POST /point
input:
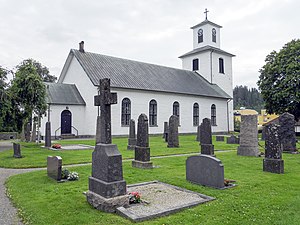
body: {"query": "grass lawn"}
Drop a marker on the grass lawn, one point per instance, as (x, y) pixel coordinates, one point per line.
(259, 198)
(35, 156)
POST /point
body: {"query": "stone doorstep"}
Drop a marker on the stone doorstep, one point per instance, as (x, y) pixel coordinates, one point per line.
(150, 211)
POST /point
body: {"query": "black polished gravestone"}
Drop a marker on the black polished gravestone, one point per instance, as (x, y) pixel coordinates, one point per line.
(273, 150)
(48, 135)
(142, 150)
(132, 138)
(220, 138)
(54, 165)
(17, 150)
(233, 140)
(207, 147)
(173, 141)
(205, 170)
(107, 188)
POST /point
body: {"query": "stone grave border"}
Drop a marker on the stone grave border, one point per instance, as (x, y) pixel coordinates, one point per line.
(136, 218)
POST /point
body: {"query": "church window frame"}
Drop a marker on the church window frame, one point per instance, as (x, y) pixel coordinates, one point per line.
(176, 110)
(213, 115)
(200, 35)
(126, 112)
(195, 64)
(214, 35)
(196, 114)
(221, 65)
(153, 113)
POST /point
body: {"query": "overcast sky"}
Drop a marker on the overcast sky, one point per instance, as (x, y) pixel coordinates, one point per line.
(153, 31)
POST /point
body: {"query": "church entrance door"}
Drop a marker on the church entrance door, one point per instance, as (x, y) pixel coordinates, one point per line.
(66, 122)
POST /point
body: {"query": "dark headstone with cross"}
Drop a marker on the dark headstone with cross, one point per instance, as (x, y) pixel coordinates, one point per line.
(107, 188)
(142, 150)
(105, 100)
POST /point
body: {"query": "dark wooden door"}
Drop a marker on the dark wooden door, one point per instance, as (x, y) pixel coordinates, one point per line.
(66, 122)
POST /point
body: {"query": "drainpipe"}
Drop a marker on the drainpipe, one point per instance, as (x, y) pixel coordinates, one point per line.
(228, 114)
(211, 66)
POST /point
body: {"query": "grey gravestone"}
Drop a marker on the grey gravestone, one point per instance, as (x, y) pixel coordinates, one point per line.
(220, 138)
(33, 135)
(273, 150)
(166, 130)
(17, 150)
(263, 133)
(198, 133)
(287, 132)
(98, 130)
(54, 164)
(232, 140)
(207, 147)
(27, 132)
(205, 170)
(132, 138)
(248, 136)
(142, 150)
(173, 141)
(107, 188)
(48, 135)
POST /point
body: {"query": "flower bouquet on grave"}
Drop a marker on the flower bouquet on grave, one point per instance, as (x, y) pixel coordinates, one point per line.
(228, 182)
(134, 197)
(56, 146)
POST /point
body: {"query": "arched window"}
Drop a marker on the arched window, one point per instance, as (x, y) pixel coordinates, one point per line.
(152, 113)
(176, 109)
(195, 64)
(126, 112)
(196, 114)
(214, 35)
(200, 35)
(221, 65)
(213, 115)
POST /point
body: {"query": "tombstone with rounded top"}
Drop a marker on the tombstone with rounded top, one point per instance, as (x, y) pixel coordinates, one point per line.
(287, 132)
(173, 141)
(132, 137)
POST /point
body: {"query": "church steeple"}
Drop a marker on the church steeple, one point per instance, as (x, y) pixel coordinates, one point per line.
(206, 33)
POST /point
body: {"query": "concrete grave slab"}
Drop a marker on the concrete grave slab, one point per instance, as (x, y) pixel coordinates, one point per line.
(160, 199)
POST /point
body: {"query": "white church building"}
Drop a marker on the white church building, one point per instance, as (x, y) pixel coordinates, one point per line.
(203, 88)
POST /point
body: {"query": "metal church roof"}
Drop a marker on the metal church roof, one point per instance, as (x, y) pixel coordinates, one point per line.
(130, 74)
(63, 94)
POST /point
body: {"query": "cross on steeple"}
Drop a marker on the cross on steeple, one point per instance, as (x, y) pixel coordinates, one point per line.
(206, 11)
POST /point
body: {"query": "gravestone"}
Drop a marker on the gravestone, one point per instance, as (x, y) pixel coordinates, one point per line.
(33, 135)
(263, 133)
(166, 130)
(98, 130)
(205, 170)
(198, 133)
(142, 150)
(173, 141)
(27, 132)
(54, 164)
(207, 147)
(220, 138)
(48, 135)
(17, 150)
(132, 138)
(273, 150)
(107, 188)
(287, 132)
(248, 136)
(232, 140)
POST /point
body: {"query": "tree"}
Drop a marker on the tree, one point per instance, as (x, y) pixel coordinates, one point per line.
(28, 92)
(279, 80)
(43, 71)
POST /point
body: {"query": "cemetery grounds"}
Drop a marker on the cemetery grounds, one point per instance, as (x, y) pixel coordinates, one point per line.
(258, 198)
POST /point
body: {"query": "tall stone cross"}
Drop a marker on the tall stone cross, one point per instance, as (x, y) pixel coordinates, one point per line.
(105, 100)
(205, 12)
